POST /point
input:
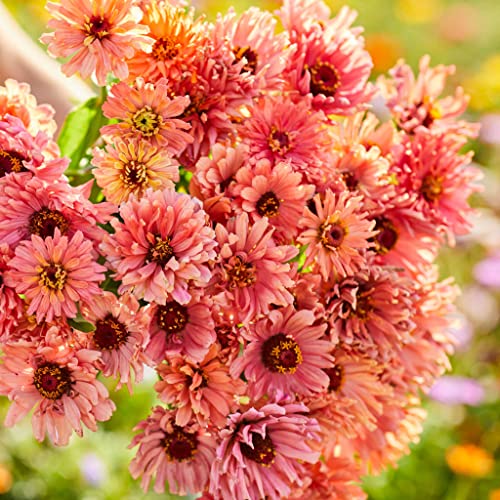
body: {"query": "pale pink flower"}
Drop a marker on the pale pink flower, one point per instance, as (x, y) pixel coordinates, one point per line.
(186, 328)
(204, 391)
(252, 272)
(285, 353)
(17, 100)
(260, 455)
(146, 111)
(55, 274)
(415, 101)
(337, 233)
(181, 456)
(162, 246)
(275, 192)
(120, 334)
(131, 166)
(300, 17)
(97, 36)
(59, 381)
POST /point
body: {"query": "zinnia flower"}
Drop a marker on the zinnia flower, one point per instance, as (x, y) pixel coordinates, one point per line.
(97, 35)
(285, 353)
(181, 456)
(55, 274)
(260, 455)
(131, 166)
(162, 245)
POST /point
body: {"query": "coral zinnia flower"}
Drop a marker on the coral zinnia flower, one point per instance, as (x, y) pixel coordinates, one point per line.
(97, 35)
(59, 381)
(337, 233)
(277, 193)
(55, 274)
(162, 245)
(252, 273)
(181, 328)
(145, 111)
(286, 354)
(204, 391)
(120, 334)
(131, 166)
(260, 455)
(181, 456)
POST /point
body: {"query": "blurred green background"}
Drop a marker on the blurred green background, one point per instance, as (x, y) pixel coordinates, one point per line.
(458, 457)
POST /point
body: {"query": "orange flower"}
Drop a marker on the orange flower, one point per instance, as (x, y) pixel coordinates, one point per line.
(5, 479)
(469, 460)
(494, 494)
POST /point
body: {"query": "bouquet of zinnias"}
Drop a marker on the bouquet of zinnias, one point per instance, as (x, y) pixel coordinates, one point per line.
(254, 233)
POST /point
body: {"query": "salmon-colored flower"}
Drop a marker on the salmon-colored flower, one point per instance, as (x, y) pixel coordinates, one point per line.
(98, 36)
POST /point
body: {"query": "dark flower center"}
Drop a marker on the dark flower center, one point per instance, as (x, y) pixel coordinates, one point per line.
(109, 333)
(161, 251)
(331, 234)
(325, 79)
(279, 141)
(52, 381)
(239, 273)
(97, 27)
(431, 188)
(350, 180)
(387, 235)
(250, 56)
(11, 161)
(363, 303)
(172, 317)
(147, 122)
(165, 49)
(336, 376)
(262, 452)
(53, 277)
(268, 205)
(134, 173)
(281, 354)
(44, 222)
(179, 445)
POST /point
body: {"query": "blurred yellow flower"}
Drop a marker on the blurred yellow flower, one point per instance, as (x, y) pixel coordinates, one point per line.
(469, 460)
(418, 11)
(384, 49)
(5, 479)
(484, 86)
(494, 495)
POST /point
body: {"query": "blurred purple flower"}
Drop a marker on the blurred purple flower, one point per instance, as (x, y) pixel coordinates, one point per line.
(454, 390)
(462, 332)
(93, 469)
(490, 128)
(487, 272)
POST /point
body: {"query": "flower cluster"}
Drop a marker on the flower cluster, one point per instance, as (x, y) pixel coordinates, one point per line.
(265, 243)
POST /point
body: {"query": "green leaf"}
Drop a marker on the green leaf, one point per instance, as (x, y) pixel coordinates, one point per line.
(81, 130)
(81, 324)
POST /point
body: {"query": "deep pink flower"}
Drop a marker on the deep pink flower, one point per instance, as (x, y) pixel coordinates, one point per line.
(204, 391)
(162, 245)
(337, 233)
(55, 274)
(260, 455)
(285, 353)
(251, 273)
(98, 36)
(181, 456)
(58, 380)
(146, 111)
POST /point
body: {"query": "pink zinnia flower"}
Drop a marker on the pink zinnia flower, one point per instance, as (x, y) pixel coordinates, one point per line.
(145, 111)
(415, 101)
(277, 193)
(120, 334)
(98, 36)
(57, 380)
(131, 166)
(181, 456)
(285, 353)
(186, 328)
(204, 391)
(162, 245)
(260, 455)
(252, 273)
(283, 129)
(55, 274)
(337, 233)
(17, 100)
